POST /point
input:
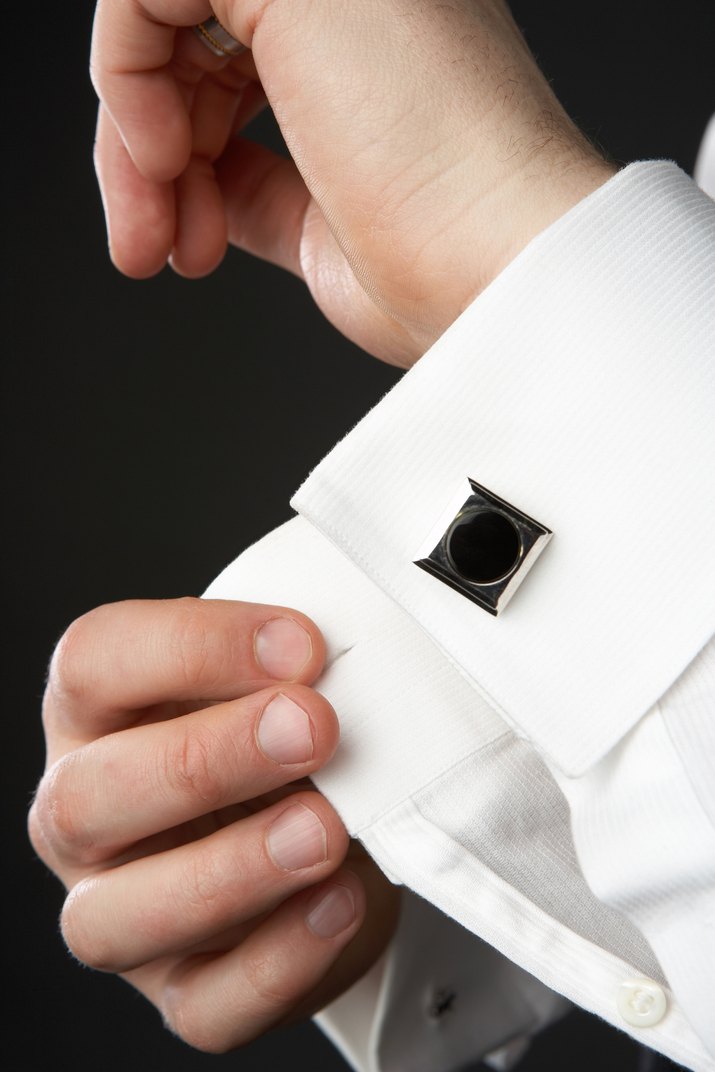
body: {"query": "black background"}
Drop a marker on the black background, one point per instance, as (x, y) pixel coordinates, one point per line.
(152, 430)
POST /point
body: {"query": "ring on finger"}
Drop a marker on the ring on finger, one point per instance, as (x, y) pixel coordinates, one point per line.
(217, 39)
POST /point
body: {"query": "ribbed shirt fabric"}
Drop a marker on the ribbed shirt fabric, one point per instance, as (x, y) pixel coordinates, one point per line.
(579, 387)
(544, 778)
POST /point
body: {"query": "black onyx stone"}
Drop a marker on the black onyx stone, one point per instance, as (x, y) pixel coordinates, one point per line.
(484, 551)
(483, 546)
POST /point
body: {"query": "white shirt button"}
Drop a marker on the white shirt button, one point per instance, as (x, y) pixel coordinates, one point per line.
(641, 1002)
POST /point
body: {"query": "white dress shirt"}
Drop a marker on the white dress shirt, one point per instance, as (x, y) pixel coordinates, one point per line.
(545, 778)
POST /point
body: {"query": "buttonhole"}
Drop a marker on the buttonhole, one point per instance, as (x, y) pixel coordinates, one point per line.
(442, 1002)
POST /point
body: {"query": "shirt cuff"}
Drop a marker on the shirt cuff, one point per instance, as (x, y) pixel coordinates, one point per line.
(438, 1000)
(579, 387)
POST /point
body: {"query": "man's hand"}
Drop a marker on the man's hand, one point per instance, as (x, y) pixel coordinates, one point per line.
(175, 807)
(428, 149)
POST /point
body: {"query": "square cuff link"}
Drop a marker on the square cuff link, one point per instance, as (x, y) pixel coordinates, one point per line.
(482, 546)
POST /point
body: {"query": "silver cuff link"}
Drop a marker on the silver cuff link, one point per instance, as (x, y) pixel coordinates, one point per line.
(482, 546)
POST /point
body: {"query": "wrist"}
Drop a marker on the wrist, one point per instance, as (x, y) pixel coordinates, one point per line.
(535, 198)
(511, 207)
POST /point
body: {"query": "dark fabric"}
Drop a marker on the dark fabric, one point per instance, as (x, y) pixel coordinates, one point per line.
(583, 1043)
(650, 1061)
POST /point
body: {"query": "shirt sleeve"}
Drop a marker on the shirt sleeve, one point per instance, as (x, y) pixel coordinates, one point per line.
(579, 387)
(439, 999)
(540, 777)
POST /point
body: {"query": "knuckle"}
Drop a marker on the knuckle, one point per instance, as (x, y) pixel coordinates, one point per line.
(84, 943)
(264, 969)
(203, 888)
(36, 834)
(248, 16)
(199, 649)
(188, 1018)
(57, 819)
(190, 767)
(72, 673)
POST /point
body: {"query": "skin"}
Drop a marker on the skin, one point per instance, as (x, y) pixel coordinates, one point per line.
(427, 151)
(155, 811)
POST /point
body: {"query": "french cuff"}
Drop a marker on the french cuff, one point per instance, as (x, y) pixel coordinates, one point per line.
(438, 1000)
(579, 387)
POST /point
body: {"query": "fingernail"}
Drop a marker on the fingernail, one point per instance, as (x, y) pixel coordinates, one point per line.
(283, 648)
(284, 733)
(297, 839)
(331, 912)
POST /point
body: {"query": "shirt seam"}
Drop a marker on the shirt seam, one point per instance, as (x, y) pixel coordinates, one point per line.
(607, 961)
(443, 772)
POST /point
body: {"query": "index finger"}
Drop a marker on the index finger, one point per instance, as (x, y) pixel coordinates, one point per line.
(132, 46)
(121, 659)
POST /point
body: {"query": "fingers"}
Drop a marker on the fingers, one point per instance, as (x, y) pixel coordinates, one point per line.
(266, 201)
(224, 1002)
(272, 215)
(118, 660)
(140, 214)
(163, 904)
(99, 800)
(201, 234)
(132, 46)
(221, 98)
(160, 123)
(147, 222)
